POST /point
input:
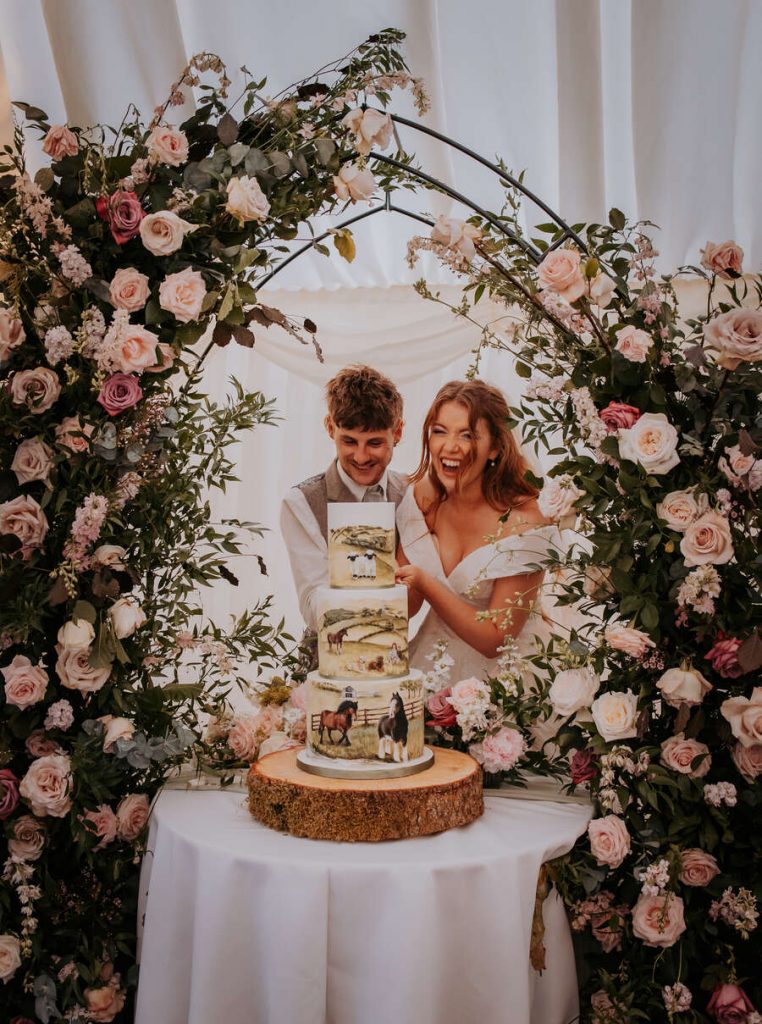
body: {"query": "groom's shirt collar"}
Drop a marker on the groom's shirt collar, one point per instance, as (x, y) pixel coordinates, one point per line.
(358, 490)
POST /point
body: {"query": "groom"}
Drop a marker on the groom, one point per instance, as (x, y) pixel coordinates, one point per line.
(365, 423)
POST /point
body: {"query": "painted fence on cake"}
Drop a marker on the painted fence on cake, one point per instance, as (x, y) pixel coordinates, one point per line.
(373, 726)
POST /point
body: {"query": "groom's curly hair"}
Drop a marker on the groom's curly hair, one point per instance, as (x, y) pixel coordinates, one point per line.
(361, 398)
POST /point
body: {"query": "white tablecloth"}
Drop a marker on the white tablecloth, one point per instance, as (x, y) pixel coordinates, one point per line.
(243, 925)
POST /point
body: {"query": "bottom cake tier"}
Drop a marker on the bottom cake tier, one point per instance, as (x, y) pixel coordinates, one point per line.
(368, 722)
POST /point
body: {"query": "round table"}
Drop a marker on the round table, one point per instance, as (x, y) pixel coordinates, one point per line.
(248, 926)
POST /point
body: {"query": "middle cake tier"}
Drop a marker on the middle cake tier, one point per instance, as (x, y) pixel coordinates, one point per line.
(362, 634)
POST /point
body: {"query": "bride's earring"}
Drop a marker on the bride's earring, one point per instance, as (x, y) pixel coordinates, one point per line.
(491, 463)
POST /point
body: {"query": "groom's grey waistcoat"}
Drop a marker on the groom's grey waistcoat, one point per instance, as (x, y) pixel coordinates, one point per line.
(329, 486)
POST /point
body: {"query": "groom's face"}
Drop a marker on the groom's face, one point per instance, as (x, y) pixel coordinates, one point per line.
(363, 454)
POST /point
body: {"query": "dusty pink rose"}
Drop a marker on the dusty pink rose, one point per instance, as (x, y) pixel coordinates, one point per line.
(102, 823)
(628, 640)
(163, 233)
(183, 295)
(500, 751)
(243, 738)
(129, 289)
(59, 142)
(132, 815)
(9, 793)
(23, 518)
(441, 712)
(607, 927)
(167, 145)
(678, 753)
(76, 673)
(736, 337)
(697, 867)
(115, 729)
(165, 355)
(748, 760)
(561, 272)
(120, 391)
(25, 683)
(12, 333)
(39, 744)
(33, 461)
(633, 343)
(723, 657)
(583, 766)
(745, 717)
(609, 840)
(729, 1005)
(136, 350)
(619, 416)
(104, 1003)
(658, 920)
(123, 213)
(707, 541)
(28, 840)
(74, 435)
(371, 129)
(679, 509)
(456, 234)
(46, 787)
(37, 389)
(723, 258)
(353, 182)
(683, 687)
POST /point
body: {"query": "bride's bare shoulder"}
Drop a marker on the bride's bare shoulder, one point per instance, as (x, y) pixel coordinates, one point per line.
(525, 515)
(424, 494)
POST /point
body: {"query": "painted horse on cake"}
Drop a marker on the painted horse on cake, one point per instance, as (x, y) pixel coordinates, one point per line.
(341, 719)
(392, 731)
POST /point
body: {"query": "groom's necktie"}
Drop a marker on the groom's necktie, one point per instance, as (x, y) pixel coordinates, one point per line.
(374, 493)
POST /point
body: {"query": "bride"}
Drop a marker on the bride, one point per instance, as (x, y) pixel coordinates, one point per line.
(472, 538)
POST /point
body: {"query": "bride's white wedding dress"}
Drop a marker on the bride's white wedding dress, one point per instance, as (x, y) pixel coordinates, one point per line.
(472, 580)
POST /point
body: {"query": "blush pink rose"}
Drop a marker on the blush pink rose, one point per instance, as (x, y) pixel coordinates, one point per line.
(735, 337)
(25, 683)
(9, 793)
(633, 343)
(23, 518)
(561, 272)
(165, 355)
(102, 823)
(74, 435)
(678, 753)
(723, 258)
(120, 391)
(619, 416)
(33, 461)
(115, 729)
(679, 509)
(707, 541)
(371, 129)
(46, 787)
(745, 717)
(500, 751)
(748, 760)
(76, 673)
(37, 389)
(441, 711)
(609, 840)
(163, 233)
(12, 333)
(628, 640)
(59, 142)
(129, 289)
(136, 350)
(132, 815)
(456, 234)
(167, 145)
(729, 1005)
(183, 295)
(246, 200)
(123, 214)
(243, 738)
(28, 840)
(104, 1003)
(658, 921)
(723, 657)
(697, 867)
(354, 183)
(683, 687)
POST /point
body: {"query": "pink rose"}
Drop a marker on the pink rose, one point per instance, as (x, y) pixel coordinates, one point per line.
(697, 867)
(76, 673)
(457, 235)
(132, 815)
(723, 657)
(183, 295)
(129, 289)
(46, 787)
(557, 497)
(102, 823)
(440, 710)
(104, 1003)
(25, 683)
(120, 391)
(123, 213)
(619, 416)
(748, 760)
(9, 793)
(136, 350)
(745, 717)
(23, 518)
(163, 233)
(736, 337)
(560, 272)
(10, 957)
(71, 433)
(679, 509)
(167, 145)
(37, 389)
(628, 640)
(243, 738)
(165, 355)
(500, 751)
(12, 333)
(39, 744)
(723, 258)
(583, 766)
(729, 1005)
(33, 461)
(354, 183)
(609, 840)
(607, 927)
(60, 142)
(707, 541)
(115, 729)
(111, 555)
(371, 129)
(633, 343)
(28, 839)
(679, 754)
(658, 920)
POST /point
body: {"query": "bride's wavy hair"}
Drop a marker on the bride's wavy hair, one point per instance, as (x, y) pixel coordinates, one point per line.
(503, 482)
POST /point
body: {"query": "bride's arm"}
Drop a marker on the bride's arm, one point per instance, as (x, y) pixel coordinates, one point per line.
(511, 603)
(414, 596)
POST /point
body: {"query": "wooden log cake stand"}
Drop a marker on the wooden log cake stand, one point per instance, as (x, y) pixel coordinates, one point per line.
(284, 797)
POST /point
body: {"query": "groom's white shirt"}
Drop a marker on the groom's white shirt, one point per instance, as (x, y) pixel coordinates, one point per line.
(307, 548)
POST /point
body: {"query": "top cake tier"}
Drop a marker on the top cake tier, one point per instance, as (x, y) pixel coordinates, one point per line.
(361, 544)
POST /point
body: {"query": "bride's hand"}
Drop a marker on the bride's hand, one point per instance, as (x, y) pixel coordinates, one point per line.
(413, 577)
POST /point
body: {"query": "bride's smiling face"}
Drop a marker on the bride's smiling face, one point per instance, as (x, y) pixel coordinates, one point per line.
(458, 453)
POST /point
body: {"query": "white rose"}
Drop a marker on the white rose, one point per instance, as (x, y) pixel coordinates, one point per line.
(683, 686)
(129, 289)
(126, 616)
(33, 461)
(246, 200)
(46, 787)
(633, 343)
(573, 689)
(73, 635)
(183, 294)
(163, 233)
(557, 497)
(651, 442)
(707, 541)
(615, 715)
(680, 508)
(10, 957)
(354, 183)
(602, 289)
(370, 128)
(167, 145)
(111, 555)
